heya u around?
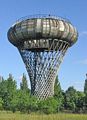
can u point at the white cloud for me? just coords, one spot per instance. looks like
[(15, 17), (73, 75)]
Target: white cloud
[(84, 33), (84, 62)]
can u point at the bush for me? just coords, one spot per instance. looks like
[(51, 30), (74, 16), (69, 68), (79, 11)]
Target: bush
[(48, 106), (1, 104)]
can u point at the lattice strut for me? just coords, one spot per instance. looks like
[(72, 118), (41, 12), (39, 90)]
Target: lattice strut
[(43, 67)]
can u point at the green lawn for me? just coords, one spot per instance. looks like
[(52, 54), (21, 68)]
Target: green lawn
[(60, 116)]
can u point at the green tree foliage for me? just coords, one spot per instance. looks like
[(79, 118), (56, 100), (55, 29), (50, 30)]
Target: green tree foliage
[(3, 92), (15, 99), (85, 86), (80, 102), (48, 106), (11, 90), (1, 104), (71, 98), (57, 88), (22, 100), (58, 94), (74, 100), (32, 104), (14, 102), (7, 90), (85, 91), (24, 84)]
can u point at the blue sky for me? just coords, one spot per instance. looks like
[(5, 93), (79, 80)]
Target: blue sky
[(74, 67)]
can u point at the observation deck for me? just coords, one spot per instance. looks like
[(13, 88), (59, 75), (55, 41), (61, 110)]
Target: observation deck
[(39, 32)]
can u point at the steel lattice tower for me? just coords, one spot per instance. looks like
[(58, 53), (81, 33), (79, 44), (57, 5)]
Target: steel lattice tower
[(42, 42)]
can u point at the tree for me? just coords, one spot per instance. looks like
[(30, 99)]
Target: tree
[(23, 84), (57, 88), (11, 85), (85, 91), (70, 99), (85, 86), (3, 92), (7, 91), (58, 94), (21, 100), (1, 103), (48, 106), (32, 104), (80, 102)]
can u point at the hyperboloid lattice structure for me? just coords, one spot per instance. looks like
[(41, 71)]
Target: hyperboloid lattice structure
[(42, 42)]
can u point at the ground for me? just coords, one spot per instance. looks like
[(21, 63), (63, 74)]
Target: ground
[(60, 116)]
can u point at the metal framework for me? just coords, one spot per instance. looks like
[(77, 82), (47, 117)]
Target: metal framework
[(42, 68)]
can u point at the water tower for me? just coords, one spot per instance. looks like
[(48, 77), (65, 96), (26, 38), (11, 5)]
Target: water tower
[(42, 41)]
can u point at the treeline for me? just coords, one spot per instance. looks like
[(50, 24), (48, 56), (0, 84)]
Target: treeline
[(14, 99)]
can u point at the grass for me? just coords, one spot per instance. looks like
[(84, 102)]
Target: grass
[(61, 116)]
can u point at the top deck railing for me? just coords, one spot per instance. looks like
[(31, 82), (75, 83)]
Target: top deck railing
[(42, 16)]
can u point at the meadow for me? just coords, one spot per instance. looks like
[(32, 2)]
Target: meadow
[(61, 116)]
